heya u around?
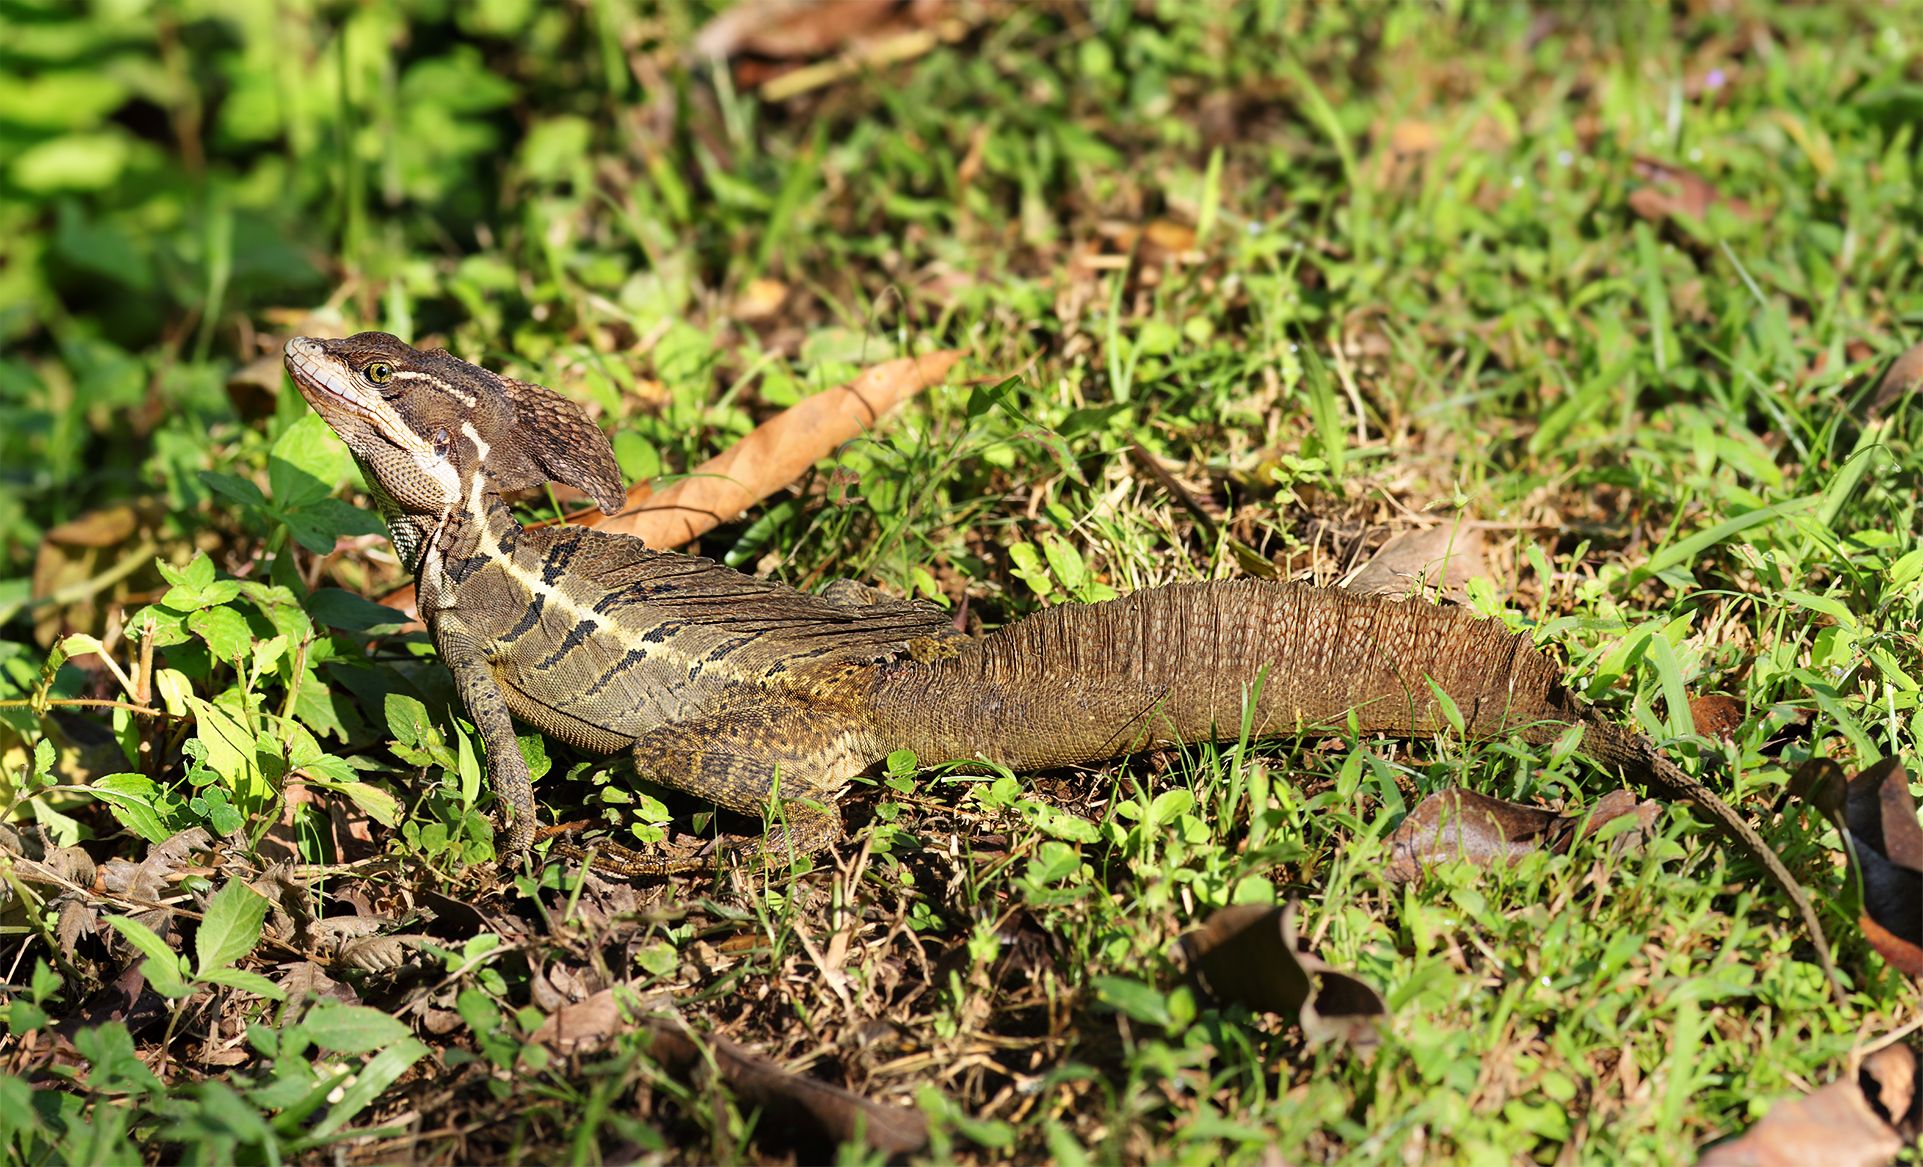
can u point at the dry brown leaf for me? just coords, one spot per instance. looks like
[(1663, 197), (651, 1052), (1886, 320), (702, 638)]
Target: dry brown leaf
[(255, 388), (1716, 715), (760, 300), (1904, 376), (1886, 847), (588, 1025), (1157, 243), (1250, 953), (1460, 824), (90, 557), (789, 47), (1862, 1121), (1676, 193), (1424, 562), (779, 451), (1884, 844), (1401, 151), (788, 30)]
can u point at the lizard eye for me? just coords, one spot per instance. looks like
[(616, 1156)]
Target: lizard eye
[(378, 372), (441, 442)]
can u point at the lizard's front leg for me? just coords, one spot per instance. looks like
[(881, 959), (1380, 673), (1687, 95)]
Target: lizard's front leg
[(486, 707)]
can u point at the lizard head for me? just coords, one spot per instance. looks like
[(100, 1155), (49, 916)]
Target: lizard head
[(433, 432)]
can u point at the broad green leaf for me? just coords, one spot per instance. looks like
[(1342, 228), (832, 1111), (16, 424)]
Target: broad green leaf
[(231, 928), (233, 488), (352, 1029), (131, 798), (72, 162), (469, 769), (307, 463), (142, 937), (194, 586), (162, 968), (72, 99), (225, 630), (341, 609), (235, 978), (380, 1072), (230, 750), (1065, 562), (1138, 1001), (407, 720), (109, 1049), (374, 802), (1167, 807), (320, 524)]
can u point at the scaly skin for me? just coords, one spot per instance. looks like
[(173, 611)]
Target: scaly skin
[(760, 697)]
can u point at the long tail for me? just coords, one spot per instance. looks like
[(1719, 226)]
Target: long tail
[(1186, 663), (1190, 663)]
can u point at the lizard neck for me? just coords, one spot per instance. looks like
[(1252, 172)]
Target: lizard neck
[(446, 551)]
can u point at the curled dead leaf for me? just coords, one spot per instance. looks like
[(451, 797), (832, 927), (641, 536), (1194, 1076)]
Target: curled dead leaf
[(1460, 824), (1884, 844), (379, 953), (806, 29), (1249, 953), (779, 451), (1432, 560), (1886, 850), (1859, 1121)]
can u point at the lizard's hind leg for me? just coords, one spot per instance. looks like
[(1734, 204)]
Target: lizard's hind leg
[(803, 820)]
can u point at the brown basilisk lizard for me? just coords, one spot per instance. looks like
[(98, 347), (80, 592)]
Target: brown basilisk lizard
[(752, 693)]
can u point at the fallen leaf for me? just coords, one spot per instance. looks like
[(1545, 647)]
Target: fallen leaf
[(779, 451), (255, 388), (1877, 819), (1716, 716), (1249, 953), (1457, 824), (760, 300), (1676, 193), (588, 1025), (1860, 1121), (1885, 846), (806, 29), (1424, 562), (1401, 150), (1157, 243), (97, 557), (1903, 377), (770, 43)]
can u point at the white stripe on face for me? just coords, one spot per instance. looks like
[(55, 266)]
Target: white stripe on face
[(457, 393)]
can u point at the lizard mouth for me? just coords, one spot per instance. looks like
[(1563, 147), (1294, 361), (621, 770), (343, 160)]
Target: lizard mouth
[(331, 388)]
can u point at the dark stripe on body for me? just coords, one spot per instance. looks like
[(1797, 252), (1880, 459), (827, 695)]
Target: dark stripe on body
[(576, 635), (528, 620), (634, 657), (558, 559)]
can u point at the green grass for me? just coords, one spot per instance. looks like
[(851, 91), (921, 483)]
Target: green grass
[(1665, 420)]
